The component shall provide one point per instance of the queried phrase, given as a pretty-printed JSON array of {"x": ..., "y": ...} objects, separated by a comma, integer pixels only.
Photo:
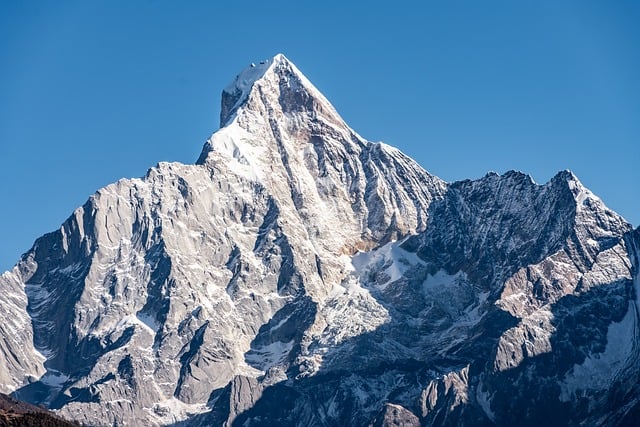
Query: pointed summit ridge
[
  {"x": 276, "y": 81},
  {"x": 280, "y": 132},
  {"x": 271, "y": 105},
  {"x": 247, "y": 77},
  {"x": 238, "y": 90}
]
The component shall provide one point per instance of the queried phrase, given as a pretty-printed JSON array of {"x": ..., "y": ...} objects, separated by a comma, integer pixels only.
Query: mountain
[{"x": 298, "y": 274}]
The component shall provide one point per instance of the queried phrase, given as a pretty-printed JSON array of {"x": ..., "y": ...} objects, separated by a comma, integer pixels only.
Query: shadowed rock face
[{"x": 298, "y": 274}]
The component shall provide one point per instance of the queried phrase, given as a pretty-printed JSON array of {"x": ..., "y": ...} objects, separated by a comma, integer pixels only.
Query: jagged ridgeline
[{"x": 299, "y": 275}]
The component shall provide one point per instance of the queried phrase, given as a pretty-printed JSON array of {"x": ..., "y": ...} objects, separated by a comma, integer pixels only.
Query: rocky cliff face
[{"x": 298, "y": 274}]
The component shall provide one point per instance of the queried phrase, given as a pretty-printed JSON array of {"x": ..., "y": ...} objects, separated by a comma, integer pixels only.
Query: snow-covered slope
[{"x": 298, "y": 274}]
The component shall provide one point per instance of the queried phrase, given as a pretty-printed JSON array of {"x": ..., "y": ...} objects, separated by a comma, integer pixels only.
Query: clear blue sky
[{"x": 92, "y": 91}]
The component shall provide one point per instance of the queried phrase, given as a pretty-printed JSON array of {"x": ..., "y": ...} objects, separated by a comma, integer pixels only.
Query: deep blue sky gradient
[{"x": 91, "y": 91}]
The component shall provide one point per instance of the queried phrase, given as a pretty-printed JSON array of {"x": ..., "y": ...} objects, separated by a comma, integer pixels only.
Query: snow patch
[
  {"x": 581, "y": 193},
  {"x": 391, "y": 258},
  {"x": 239, "y": 155},
  {"x": 247, "y": 77},
  {"x": 269, "y": 355},
  {"x": 172, "y": 410},
  {"x": 147, "y": 322},
  {"x": 442, "y": 279},
  {"x": 54, "y": 379},
  {"x": 247, "y": 370}
]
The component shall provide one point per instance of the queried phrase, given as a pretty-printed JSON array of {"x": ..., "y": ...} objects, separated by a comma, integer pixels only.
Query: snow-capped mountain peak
[
  {"x": 268, "y": 107},
  {"x": 276, "y": 82},
  {"x": 298, "y": 274}
]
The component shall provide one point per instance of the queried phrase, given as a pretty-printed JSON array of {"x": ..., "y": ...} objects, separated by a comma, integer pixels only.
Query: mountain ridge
[{"x": 297, "y": 262}]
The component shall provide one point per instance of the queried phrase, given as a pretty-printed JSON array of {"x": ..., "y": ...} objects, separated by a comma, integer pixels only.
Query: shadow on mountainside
[
  {"x": 74, "y": 356},
  {"x": 53, "y": 290},
  {"x": 362, "y": 371},
  {"x": 527, "y": 395}
]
